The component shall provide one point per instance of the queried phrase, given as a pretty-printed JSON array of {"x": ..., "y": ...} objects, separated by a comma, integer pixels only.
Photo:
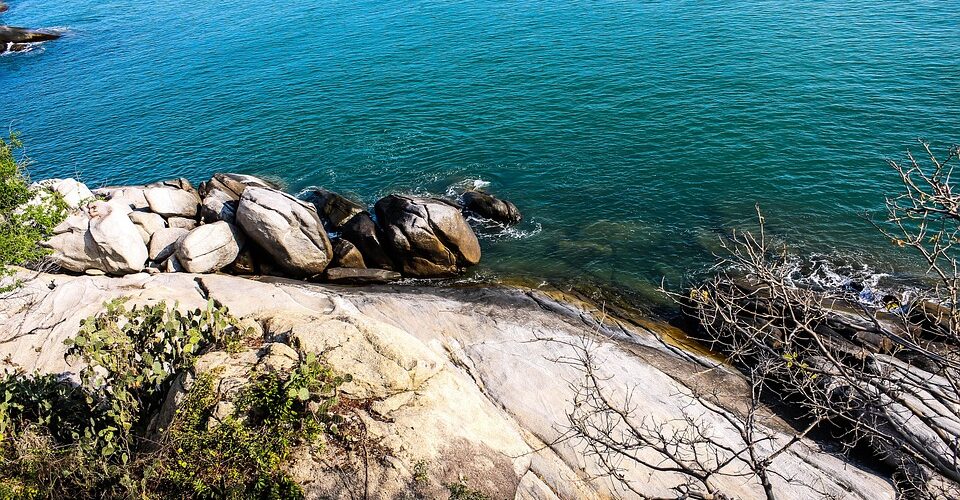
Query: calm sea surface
[{"x": 631, "y": 134}]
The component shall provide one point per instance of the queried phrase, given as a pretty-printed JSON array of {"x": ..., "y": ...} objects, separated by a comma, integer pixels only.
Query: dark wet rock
[
  {"x": 428, "y": 237},
  {"x": 353, "y": 276},
  {"x": 335, "y": 209},
  {"x": 345, "y": 254},
  {"x": 490, "y": 207},
  {"x": 286, "y": 228},
  {"x": 15, "y": 35},
  {"x": 364, "y": 233},
  {"x": 4, "y": 7}
]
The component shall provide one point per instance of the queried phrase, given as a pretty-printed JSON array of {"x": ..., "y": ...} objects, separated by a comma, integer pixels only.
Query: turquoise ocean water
[{"x": 631, "y": 134}]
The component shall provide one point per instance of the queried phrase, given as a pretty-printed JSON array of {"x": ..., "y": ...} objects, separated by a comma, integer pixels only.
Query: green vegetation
[
  {"x": 23, "y": 225},
  {"x": 460, "y": 491},
  {"x": 60, "y": 440}
]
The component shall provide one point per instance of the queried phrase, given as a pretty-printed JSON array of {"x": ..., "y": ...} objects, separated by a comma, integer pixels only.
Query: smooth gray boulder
[
  {"x": 286, "y": 228},
  {"x": 122, "y": 249},
  {"x": 104, "y": 238},
  {"x": 163, "y": 243},
  {"x": 210, "y": 247},
  {"x": 147, "y": 223},
  {"x": 428, "y": 237},
  {"x": 172, "y": 202},
  {"x": 72, "y": 246},
  {"x": 490, "y": 207},
  {"x": 334, "y": 209}
]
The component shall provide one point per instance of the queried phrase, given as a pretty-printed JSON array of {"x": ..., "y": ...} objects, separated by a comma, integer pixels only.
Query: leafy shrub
[
  {"x": 62, "y": 440},
  {"x": 23, "y": 223},
  {"x": 240, "y": 456}
]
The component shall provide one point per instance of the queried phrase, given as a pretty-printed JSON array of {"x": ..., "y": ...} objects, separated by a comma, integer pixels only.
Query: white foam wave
[
  {"x": 455, "y": 189},
  {"x": 857, "y": 280},
  {"x": 490, "y": 230}
]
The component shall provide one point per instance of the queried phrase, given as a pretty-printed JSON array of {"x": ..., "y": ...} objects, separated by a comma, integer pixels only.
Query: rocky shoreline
[{"x": 243, "y": 225}]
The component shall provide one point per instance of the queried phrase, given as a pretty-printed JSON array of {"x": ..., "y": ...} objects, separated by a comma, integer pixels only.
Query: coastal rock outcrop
[
  {"x": 463, "y": 385},
  {"x": 427, "y": 237},
  {"x": 490, "y": 207},
  {"x": 210, "y": 247},
  {"x": 287, "y": 229}
]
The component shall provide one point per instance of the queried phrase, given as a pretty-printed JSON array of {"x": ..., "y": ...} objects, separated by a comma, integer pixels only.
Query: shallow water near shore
[{"x": 630, "y": 134}]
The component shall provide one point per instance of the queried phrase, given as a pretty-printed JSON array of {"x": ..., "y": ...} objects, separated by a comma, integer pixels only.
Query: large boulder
[
  {"x": 122, "y": 249},
  {"x": 164, "y": 242},
  {"x": 428, "y": 237},
  {"x": 286, "y": 228},
  {"x": 210, "y": 247},
  {"x": 221, "y": 195},
  {"x": 105, "y": 238},
  {"x": 172, "y": 202},
  {"x": 491, "y": 207},
  {"x": 334, "y": 209},
  {"x": 364, "y": 233}
]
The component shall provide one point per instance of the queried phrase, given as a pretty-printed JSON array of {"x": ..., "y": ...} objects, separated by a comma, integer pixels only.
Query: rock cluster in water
[{"x": 240, "y": 224}]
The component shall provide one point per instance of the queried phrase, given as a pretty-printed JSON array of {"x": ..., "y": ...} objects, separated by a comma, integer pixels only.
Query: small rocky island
[
  {"x": 15, "y": 39},
  {"x": 243, "y": 225}
]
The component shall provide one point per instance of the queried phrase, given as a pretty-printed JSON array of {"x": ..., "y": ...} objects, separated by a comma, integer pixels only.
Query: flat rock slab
[{"x": 359, "y": 276}]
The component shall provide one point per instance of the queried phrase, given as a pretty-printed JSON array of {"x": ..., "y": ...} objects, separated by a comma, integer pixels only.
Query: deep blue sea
[{"x": 631, "y": 134}]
